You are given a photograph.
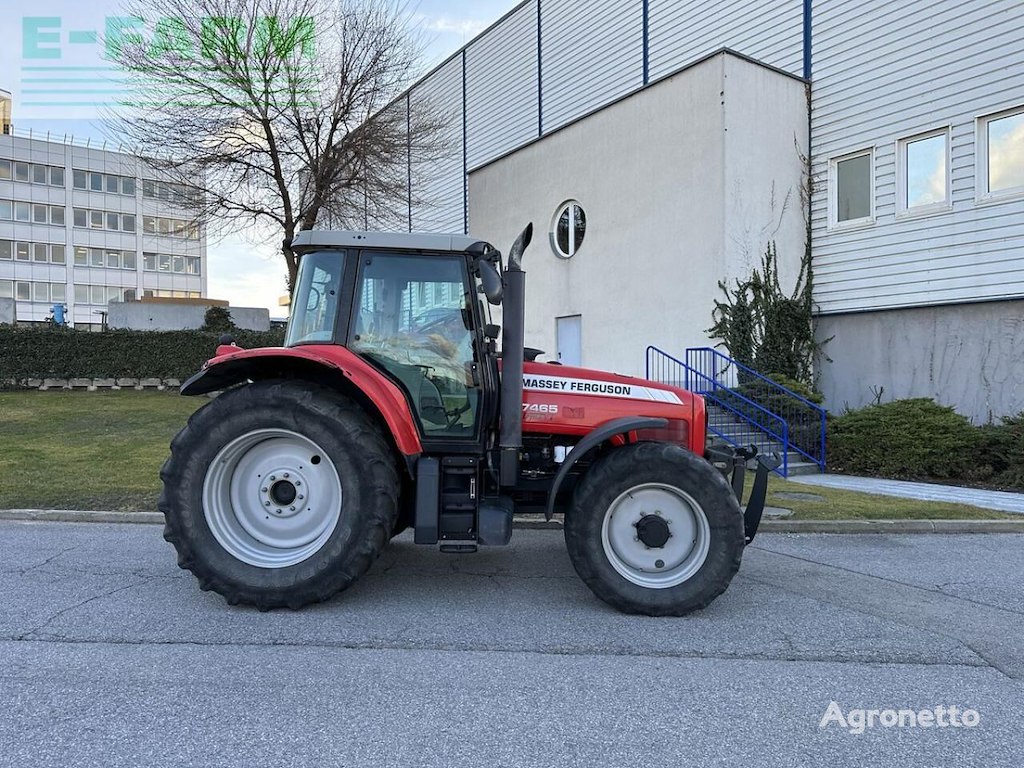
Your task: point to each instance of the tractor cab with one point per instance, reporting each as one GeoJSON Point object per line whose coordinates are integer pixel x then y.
{"type": "Point", "coordinates": [414, 310]}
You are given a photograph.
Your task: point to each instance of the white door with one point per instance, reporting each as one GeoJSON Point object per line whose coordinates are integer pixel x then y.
{"type": "Point", "coordinates": [569, 333]}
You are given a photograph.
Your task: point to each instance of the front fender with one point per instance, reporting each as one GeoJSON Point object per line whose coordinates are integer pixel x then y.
{"type": "Point", "coordinates": [592, 440]}
{"type": "Point", "coordinates": [329, 365]}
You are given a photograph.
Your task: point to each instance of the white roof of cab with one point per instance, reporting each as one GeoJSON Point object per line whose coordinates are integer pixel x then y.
{"type": "Point", "coordinates": [395, 241]}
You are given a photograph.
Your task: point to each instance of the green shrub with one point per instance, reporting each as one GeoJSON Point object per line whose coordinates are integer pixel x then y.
{"type": "Point", "coordinates": [61, 353]}
{"type": "Point", "coordinates": [904, 439]}
{"type": "Point", "coordinates": [1001, 452]}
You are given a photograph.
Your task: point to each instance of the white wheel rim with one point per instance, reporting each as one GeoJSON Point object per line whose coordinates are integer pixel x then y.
{"type": "Point", "coordinates": [679, 559]}
{"type": "Point", "coordinates": [272, 498]}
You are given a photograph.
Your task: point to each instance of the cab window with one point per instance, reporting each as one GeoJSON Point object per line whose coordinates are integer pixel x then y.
{"type": "Point", "coordinates": [412, 319]}
{"type": "Point", "coordinates": [316, 298]}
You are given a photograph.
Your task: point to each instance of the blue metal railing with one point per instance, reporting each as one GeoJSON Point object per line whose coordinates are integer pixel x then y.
{"type": "Point", "coordinates": [778, 418]}
{"type": "Point", "coordinates": [769, 432]}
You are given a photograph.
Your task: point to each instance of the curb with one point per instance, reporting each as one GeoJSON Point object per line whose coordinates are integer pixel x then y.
{"type": "Point", "coordinates": [537, 522]}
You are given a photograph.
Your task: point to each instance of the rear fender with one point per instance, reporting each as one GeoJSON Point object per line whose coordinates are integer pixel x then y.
{"type": "Point", "coordinates": [336, 367]}
{"type": "Point", "coordinates": [600, 434]}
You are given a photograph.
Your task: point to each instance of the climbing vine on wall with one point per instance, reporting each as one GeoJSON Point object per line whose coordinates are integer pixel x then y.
{"type": "Point", "coordinates": [766, 328]}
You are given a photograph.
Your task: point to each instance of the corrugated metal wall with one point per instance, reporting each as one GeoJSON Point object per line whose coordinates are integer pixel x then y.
{"type": "Point", "coordinates": [684, 30]}
{"type": "Point", "coordinates": [886, 71]}
{"type": "Point", "coordinates": [501, 87]}
{"type": "Point", "coordinates": [592, 53]}
{"type": "Point", "coordinates": [588, 53]}
{"type": "Point", "coordinates": [439, 184]}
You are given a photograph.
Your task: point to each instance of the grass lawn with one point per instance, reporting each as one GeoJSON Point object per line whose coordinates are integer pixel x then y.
{"type": "Point", "coordinates": [852, 505]}
{"type": "Point", "coordinates": [103, 450]}
{"type": "Point", "coordinates": [87, 450]}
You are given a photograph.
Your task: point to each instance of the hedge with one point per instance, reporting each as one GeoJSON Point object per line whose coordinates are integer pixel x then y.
{"type": "Point", "coordinates": [904, 439]}
{"type": "Point", "coordinates": [60, 353]}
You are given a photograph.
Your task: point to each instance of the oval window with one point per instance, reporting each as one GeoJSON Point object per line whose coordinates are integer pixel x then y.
{"type": "Point", "coordinates": [570, 227]}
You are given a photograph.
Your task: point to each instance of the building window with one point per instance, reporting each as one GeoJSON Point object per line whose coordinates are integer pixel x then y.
{"type": "Point", "coordinates": [851, 182]}
{"type": "Point", "coordinates": [923, 176]}
{"type": "Point", "coordinates": [23, 291]}
{"type": "Point", "coordinates": [6, 210]}
{"type": "Point", "coordinates": [6, 250]}
{"type": "Point", "coordinates": [40, 252]}
{"type": "Point", "coordinates": [127, 186]}
{"type": "Point", "coordinates": [570, 226]}
{"type": "Point", "coordinates": [56, 177]}
{"type": "Point", "coordinates": [21, 251]}
{"type": "Point", "coordinates": [21, 172]}
{"type": "Point", "coordinates": [58, 292]}
{"type": "Point", "coordinates": [1001, 154]}
{"type": "Point", "coordinates": [39, 174]}
{"type": "Point", "coordinates": [127, 222]}
{"type": "Point", "coordinates": [79, 179]}
{"type": "Point", "coordinates": [81, 217]}
{"type": "Point", "coordinates": [40, 214]}
{"type": "Point", "coordinates": [6, 289]}
{"type": "Point", "coordinates": [57, 215]}
{"type": "Point", "coordinates": [96, 182]}
{"type": "Point", "coordinates": [57, 254]}
{"type": "Point", "coordinates": [5, 170]}
{"type": "Point", "coordinates": [22, 211]}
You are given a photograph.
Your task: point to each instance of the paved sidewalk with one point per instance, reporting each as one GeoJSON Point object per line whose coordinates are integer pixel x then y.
{"type": "Point", "coordinates": [1002, 501]}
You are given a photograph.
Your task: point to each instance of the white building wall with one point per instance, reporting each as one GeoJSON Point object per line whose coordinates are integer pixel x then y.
{"type": "Point", "coordinates": [592, 53]}
{"type": "Point", "coordinates": [650, 174]}
{"type": "Point", "coordinates": [886, 71]}
{"type": "Point", "coordinates": [501, 86]}
{"type": "Point", "coordinates": [522, 82]}
{"type": "Point", "coordinates": [438, 184]}
{"type": "Point", "coordinates": [682, 31]}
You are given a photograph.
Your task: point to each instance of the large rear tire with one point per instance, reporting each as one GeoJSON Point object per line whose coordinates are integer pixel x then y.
{"type": "Point", "coordinates": [654, 530]}
{"type": "Point", "coordinates": [279, 494]}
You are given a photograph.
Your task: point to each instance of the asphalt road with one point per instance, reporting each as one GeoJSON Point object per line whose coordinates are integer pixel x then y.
{"type": "Point", "coordinates": [111, 656]}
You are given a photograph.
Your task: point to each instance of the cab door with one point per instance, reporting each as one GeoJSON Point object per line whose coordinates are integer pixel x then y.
{"type": "Point", "coordinates": [413, 319]}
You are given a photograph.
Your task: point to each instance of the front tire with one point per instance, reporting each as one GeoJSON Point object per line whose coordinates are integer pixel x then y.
{"type": "Point", "coordinates": [654, 530]}
{"type": "Point", "coordinates": [279, 494]}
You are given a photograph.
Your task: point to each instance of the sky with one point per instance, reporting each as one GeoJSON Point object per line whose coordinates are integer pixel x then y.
{"type": "Point", "coordinates": [62, 33]}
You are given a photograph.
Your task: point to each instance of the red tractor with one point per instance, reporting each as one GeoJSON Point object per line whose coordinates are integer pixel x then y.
{"type": "Point", "coordinates": [390, 407]}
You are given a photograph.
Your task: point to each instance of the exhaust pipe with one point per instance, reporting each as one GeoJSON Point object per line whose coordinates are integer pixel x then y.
{"type": "Point", "coordinates": [513, 321]}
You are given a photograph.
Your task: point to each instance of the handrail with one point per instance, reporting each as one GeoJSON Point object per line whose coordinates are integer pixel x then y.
{"type": "Point", "coordinates": [808, 439]}
{"type": "Point", "coordinates": [777, 432]}
{"type": "Point", "coordinates": [752, 372]}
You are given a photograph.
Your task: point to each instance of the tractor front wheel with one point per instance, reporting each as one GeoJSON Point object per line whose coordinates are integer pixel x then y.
{"type": "Point", "coordinates": [654, 530]}
{"type": "Point", "coordinates": [279, 494]}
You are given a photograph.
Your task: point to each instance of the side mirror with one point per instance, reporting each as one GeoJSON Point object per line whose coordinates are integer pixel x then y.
{"type": "Point", "coordinates": [491, 282]}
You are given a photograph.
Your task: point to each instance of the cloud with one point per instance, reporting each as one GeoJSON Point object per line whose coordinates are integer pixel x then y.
{"type": "Point", "coordinates": [1006, 155]}
{"type": "Point", "coordinates": [465, 28]}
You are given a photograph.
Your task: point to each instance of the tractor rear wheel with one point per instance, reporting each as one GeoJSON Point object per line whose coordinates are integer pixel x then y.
{"type": "Point", "coordinates": [279, 493]}
{"type": "Point", "coordinates": [655, 530]}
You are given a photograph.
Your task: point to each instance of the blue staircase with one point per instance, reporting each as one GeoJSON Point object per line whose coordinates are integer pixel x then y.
{"type": "Point", "coordinates": [746, 408]}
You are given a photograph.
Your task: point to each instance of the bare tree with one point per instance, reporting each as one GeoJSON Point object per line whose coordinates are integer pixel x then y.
{"type": "Point", "coordinates": [280, 113]}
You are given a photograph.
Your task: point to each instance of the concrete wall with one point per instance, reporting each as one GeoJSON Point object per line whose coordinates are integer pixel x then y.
{"type": "Point", "coordinates": [7, 308]}
{"type": "Point", "coordinates": [142, 316]}
{"type": "Point", "coordinates": [682, 185]}
{"type": "Point", "coordinates": [969, 356]}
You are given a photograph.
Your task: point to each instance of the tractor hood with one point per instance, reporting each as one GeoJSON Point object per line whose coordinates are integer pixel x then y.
{"type": "Point", "coordinates": [572, 401]}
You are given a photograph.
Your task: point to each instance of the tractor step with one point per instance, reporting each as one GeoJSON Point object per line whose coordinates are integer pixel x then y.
{"type": "Point", "coordinates": [458, 549]}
